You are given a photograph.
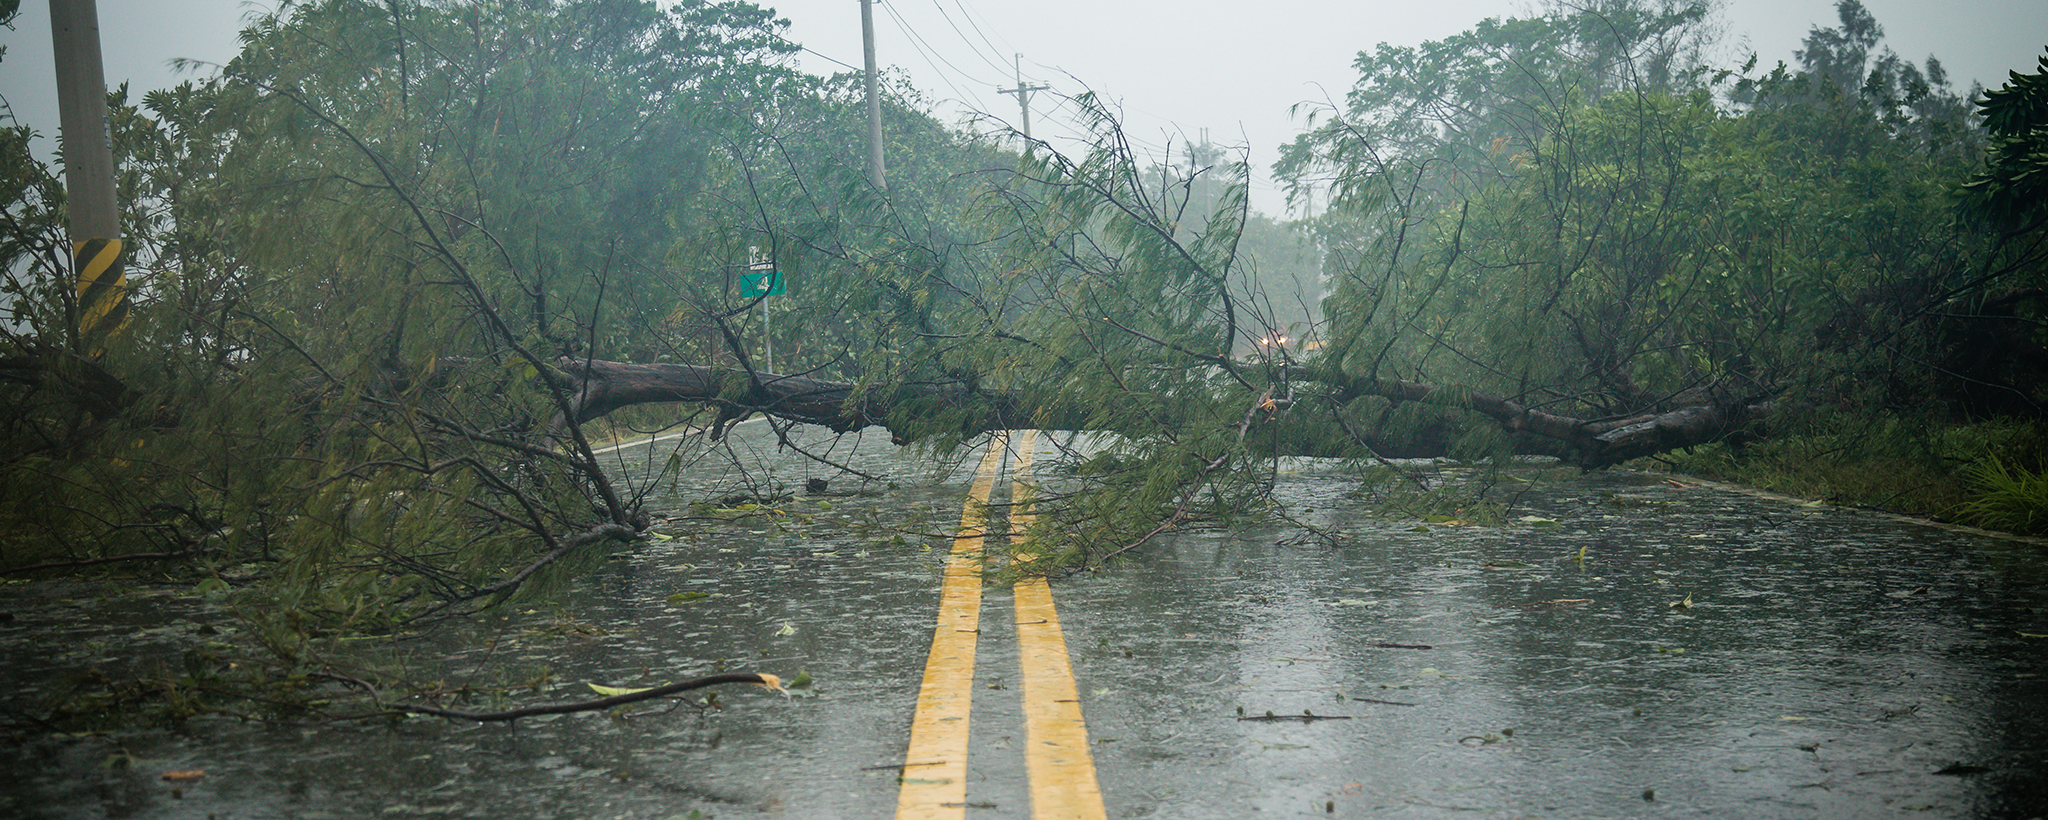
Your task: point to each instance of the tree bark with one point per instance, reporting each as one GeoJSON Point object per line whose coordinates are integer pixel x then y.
{"type": "Point", "coordinates": [1650, 434]}
{"type": "Point", "coordinates": [1590, 444]}
{"type": "Point", "coordinates": [603, 386]}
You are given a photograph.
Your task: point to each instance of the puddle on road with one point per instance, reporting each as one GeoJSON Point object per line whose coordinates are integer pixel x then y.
{"type": "Point", "coordinates": [1817, 663]}
{"type": "Point", "coordinates": [1714, 654]}
{"type": "Point", "coordinates": [851, 608]}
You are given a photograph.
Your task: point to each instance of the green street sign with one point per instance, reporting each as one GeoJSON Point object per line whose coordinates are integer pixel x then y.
{"type": "Point", "coordinates": [762, 283]}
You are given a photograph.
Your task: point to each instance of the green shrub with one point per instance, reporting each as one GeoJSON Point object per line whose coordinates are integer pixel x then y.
{"type": "Point", "coordinates": [2006, 497]}
{"type": "Point", "coordinates": [1977, 473]}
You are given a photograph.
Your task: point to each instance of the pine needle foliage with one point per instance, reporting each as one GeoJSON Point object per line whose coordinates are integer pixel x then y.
{"type": "Point", "coordinates": [1121, 316]}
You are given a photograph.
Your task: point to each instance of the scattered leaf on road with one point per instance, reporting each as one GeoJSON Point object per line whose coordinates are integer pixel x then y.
{"type": "Point", "coordinates": [614, 691]}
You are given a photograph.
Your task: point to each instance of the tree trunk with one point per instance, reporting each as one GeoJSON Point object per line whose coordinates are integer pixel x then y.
{"type": "Point", "coordinates": [603, 387]}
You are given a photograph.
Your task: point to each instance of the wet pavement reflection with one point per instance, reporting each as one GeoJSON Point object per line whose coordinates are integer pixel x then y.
{"type": "Point", "coordinates": [1713, 653]}
{"type": "Point", "coordinates": [1625, 646]}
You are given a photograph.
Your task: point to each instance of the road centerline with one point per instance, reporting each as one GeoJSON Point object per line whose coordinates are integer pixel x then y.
{"type": "Point", "coordinates": [1057, 759]}
{"type": "Point", "coordinates": [1059, 765]}
{"type": "Point", "coordinates": [938, 731]}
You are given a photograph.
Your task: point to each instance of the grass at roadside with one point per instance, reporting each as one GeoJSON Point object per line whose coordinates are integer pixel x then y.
{"type": "Point", "coordinates": [1990, 474]}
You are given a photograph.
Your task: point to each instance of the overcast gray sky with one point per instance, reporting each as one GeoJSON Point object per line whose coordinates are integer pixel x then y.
{"type": "Point", "coordinates": [1233, 68]}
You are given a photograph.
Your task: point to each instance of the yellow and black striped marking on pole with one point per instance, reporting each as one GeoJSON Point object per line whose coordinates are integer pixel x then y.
{"type": "Point", "coordinates": [102, 292]}
{"type": "Point", "coordinates": [1057, 761]}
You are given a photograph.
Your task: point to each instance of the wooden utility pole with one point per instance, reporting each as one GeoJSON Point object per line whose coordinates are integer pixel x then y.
{"type": "Point", "coordinates": [87, 139]}
{"type": "Point", "coordinates": [1023, 93]}
{"type": "Point", "coordinates": [876, 172]}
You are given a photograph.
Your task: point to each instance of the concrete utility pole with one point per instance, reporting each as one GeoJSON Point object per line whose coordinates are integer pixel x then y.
{"type": "Point", "coordinates": [876, 172]}
{"type": "Point", "coordinates": [1023, 93]}
{"type": "Point", "coordinates": [88, 143]}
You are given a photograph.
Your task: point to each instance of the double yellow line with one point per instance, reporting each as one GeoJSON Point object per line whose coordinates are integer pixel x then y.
{"type": "Point", "coordinates": [1056, 757]}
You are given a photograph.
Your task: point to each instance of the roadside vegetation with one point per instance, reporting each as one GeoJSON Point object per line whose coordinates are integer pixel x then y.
{"type": "Point", "coordinates": [1959, 473]}
{"type": "Point", "coordinates": [397, 265]}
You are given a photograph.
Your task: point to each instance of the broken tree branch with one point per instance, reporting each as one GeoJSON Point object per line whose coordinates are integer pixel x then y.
{"type": "Point", "coordinates": [758, 679]}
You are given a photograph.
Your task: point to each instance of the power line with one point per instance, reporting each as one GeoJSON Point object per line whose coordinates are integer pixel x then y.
{"type": "Point", "coordinates": [820, 55]}
{"type": "Point", "coordinates": [816, 53]}
{"type": "Point", "coordinates": [947, 71]}
{"type": "Point", "coordinates": [924, 47]}
{"type": "Point", "coordinates": [981, 31]}
{"type": "Point", "coordinates": [963, 35]}
{"type": "Point", "coordinates": [931, 57]}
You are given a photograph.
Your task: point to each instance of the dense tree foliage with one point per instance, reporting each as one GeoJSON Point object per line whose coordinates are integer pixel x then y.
{"type": "Point", "coordinates": [366, 247]}
{"type": "Point", "coordinates": [1570, 212]}
{"type": "Point", "coordinates": [396, 254]}
{"type": "Point", "coordinates": [2015, 186]}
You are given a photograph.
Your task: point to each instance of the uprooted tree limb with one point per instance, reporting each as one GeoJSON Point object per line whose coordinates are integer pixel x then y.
{"type": "Point", "coordinates": [1592, 444]}
{"type": "Point", "coordinates": [602, 387]}
{"type": "Point", "coordinates": [595, 388]}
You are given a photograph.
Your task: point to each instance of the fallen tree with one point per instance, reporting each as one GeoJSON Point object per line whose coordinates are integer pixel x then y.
{"type": "Point", "coordinates": [600, 387]}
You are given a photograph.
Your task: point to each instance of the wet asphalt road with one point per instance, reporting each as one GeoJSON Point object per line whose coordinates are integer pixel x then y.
{"type": "Point", "coordinates": [1639, 648]}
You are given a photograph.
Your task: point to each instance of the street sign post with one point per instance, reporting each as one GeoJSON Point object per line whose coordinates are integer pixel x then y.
{"type": "Point", "coordinates": [763, 280]}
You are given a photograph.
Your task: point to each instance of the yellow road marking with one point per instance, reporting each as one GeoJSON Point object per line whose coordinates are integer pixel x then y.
{"type": "Point", "coordinates": [1057, 759]}
{"type": "Point", "coordinates": [1056, 755]}
{"type": "Point", "coordinates": [935, 774]}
